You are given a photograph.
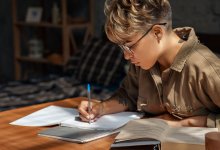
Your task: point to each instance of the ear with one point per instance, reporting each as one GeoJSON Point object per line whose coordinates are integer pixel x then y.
{"type": "Point", "coordinates": [157, 32]}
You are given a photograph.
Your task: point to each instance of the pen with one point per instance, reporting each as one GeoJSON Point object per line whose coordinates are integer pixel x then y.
{"type": "Point", "coordinates": [89, 101]}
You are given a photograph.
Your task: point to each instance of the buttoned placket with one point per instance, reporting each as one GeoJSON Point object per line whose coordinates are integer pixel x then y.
{"type": "Point", "coordinates": [173, 109]}
{"type": "Point", "coordinates": [161, 79]}
{"type": "Point", "coordinates": [158, 82]}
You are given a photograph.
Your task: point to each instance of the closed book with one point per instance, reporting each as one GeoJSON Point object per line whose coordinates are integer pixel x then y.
{"type": "Point", "coordinates": [77, 135]}
{"type": "Point", "coordinates": [139, 144]}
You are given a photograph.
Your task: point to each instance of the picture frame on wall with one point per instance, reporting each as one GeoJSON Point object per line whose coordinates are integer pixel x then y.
{"type": "Point", "coordinates": [34, 14]}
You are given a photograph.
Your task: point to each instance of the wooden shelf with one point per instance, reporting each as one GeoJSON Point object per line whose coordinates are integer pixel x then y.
{"type": "Point", "coordinates": [37, 60]}
{"type": "Point", "coordinates": [79, 25]}
{"type": "Point", "coordinates": [50, 25]}
{"type": "Point", "coordinates": [24, 31]}
{"type": "Point", "coordinates": [41, 24]}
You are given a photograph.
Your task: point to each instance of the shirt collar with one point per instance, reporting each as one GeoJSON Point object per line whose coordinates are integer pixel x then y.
{"type": "Point", "coordinates": [188, 35]}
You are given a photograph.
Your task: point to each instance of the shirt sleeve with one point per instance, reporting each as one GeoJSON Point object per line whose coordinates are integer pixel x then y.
{"type": "Point", "coordinates": [211, 86]}
{"type": "Point", "coordinates": [127, 93]}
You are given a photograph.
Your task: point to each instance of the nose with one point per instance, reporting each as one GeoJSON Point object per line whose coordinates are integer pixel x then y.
{"type": "Point", "coordinates": [127, 55]}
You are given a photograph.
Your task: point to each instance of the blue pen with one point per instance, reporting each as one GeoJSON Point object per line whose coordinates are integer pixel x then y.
{"type": "Point", "coordinates": [89, 100]}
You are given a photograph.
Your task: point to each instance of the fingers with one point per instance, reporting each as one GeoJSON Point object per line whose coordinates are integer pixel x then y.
{"type": "Point", "coordinates": [83, 107]}
{"type": "Point", "coordinates": [166, 117]}
{"type": "Point", "coordinates": [83, 111]}
{"type": "Point", "coordinates": [87, 120]}
{"type": "Point", "coordinates": [83, 118]}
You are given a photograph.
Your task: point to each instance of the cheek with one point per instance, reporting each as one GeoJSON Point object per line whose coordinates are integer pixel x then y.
{"type": "Point", "coordinates": [149, 56]}
{"type": "Point", "coordinates": [149, 59]}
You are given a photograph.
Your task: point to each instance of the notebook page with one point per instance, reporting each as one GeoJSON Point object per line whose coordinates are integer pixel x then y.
{"type": "Point", "coordinates": [191, 135]}
{"type": "Point", "coordinates": [106, 122]}
{"type": "Point", "coordinates": [50, 115]}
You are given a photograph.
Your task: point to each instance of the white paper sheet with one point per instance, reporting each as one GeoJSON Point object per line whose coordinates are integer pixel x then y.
{"type": "Point", "coordinates": [106, 122]}
{"type": "Point", "coordinates": [54, 115]}
{"type": "Point", "coordinates": [50, 115]}
{"type": "Point", "coordinates": [192, 135]}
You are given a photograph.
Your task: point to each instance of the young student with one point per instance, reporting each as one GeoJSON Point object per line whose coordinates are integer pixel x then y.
{"type": "Point", "coordinates": [172, 75]}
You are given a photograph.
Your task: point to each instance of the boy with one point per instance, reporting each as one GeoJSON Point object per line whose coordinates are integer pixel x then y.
{"type": "Point", "coordinates": [172, 76]}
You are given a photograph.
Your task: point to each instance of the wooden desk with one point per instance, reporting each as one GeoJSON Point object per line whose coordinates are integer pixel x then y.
{"type": "Point", "coordinates": [25, 138]}
{"type": "Point", "coordinates": [14, 137]}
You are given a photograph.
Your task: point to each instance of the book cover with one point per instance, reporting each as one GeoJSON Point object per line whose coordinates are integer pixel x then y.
{"type": "Point", "coordinates": [77, 135]}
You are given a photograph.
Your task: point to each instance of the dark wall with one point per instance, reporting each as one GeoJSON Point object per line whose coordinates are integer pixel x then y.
{"type": "Point", "coordinates": [203, 15]}
{"type": "Point", "coordinates": [6, 45]}
{"type": "Point", "coordinates": [99, 16]}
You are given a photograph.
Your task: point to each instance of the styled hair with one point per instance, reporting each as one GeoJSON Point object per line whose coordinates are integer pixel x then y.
{"type": "Point", "coordinates": [126, 18]}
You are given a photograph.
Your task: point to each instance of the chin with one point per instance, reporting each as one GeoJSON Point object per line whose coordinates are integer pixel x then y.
{"type": "Point", "coordinates": [146, 67]}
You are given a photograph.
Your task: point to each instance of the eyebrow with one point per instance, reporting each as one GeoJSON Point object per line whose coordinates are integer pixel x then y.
{"type": "Point", "coordinates": [128, 43]}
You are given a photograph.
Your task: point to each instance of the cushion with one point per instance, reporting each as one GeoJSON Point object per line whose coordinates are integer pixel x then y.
{"type": "Point", "coordinates": [101, 62]}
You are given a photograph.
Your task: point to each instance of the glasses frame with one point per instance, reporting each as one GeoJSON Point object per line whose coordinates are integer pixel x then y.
{"type": "Point", "coordinates": [128, 49]}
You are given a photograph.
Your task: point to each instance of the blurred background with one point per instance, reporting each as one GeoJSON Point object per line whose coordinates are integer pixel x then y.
{"type": "Point", "coordinates": [203, 15]}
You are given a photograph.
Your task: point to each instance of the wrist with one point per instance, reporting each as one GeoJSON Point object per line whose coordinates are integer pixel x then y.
{"type": "Point", "coordinates": [195, 121]}
{"type": "Point", "coordinates": [101, 109]}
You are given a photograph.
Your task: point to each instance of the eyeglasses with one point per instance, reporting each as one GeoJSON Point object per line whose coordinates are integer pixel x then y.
{"type": "Point", "coordinates": [129, 49]}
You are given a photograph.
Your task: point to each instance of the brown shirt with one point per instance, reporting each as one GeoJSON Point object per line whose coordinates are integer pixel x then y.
{"type": "Point", "coordinates": [190, 87]}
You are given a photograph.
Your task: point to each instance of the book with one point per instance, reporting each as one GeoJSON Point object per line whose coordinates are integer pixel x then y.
{"type": "Point", "coordinates": [77, 135]}
{"type": "Point", "coordinates": [69, 117]}
{"type": "Point", "coordinates": [134, 143]}
{"type": "Point", "coordinates": [151, 129]}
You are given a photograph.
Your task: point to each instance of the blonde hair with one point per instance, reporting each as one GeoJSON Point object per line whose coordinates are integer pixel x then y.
{"type": "Point", "coordinates": [126, 18]}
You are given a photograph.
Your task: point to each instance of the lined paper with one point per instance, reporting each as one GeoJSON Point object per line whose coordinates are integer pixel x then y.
{"type": "Point", "coordinates": [50, 115]}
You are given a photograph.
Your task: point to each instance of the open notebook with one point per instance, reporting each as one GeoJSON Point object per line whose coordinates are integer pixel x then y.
{"type": "Point", "coordinates": [71, 128]}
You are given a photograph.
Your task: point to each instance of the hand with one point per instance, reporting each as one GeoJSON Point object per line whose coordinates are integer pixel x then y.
{"type": "Point", "coordinates": [167, 116]}
{"type": "Point", "coordinates": [194, 121]}
{"type": "Point", "coordinates": [96, 110]}
{"type": "Point", "coordinates": [170, 120]}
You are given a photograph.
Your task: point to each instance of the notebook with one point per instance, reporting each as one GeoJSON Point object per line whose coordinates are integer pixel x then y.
{"type": "Point", "coordinates": [77, 135]}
